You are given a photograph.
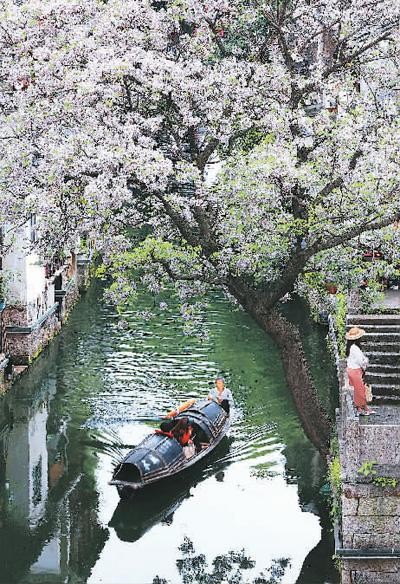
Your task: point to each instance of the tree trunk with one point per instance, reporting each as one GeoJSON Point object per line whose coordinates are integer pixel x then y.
{"type": "Point", "coordinates": [314, 419]}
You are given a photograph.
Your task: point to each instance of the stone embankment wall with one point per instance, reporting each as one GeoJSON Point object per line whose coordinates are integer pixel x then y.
{"type": "Point", "coordinates": [370, 517]}
{"type": "Point", "coordinates": [24, 345]}
{"type": "Point", "coordinates": [369, 540]}
{"type": "Point", "coordinates": [29, 322]}
{"type": "Point", "coordinates": [368, 537]}
{"type": "Point", "coordinates": [4, 363]}
{"type": "Point", "coordinates": [315, 422]}
{"type": "Point", "coordinates": [71, 298]}
{"type": "Point", "coordinates": [25, 340]}
{"type": "Point", "coordinates": [369, 546]}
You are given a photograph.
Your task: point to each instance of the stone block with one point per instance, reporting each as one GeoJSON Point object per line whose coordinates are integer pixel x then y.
{"type": "Point", "coordinates": [380, 443]}
{"type": "Point", "coordinates": [345, 577]}
{"type": "Point", "coordinates": [349, 506]}
{"type": "Point", "coordinates": [386, 541]}
{"type": "Point", "coordinates": [370, 571]}
{"type": "Point", "coordinates": [347, 539]}
{"type": "Point", "coordinates": [389, 565]}
{"type": "Point", "coordinates": [368, 491]}
{"type": "Point", "coordinates": [15, 316]}
{"type": "Point", "coordinates": [374, 578]}
{"type": "Point", "coordinates": [386, 505]}
{"type": "Point", "coordinates": [366, 524]}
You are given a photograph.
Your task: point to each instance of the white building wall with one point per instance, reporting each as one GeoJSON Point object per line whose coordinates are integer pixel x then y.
{"type": "Point", "coordinates": [14, 267]}
{"type": "Point", "coordinates": [37, 289]}
{"type": "Point", "coordinates": [25, 276]}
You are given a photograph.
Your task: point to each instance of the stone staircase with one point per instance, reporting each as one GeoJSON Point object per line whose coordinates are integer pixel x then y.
{"type": "Point", "coordinates": [382, 346]}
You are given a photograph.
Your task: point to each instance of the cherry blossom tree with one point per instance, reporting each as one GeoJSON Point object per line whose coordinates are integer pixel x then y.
{"type": "Point", "coordinates": [235, 144]}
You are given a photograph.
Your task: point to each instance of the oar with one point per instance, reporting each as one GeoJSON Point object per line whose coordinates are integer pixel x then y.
{"type": "Point", "coordinates": [171, 414]}
{"type": "Point", "coordinates": [105, 446]}
{"type": "Point", "coordinates": [149, 418]}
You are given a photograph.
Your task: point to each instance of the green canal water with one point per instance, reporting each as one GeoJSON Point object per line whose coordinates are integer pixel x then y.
{"type": "Point", "coordinates": [252, 513]}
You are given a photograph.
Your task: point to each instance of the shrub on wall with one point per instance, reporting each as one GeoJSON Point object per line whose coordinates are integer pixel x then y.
{"type": "Point", "coordinates": [340, 322]}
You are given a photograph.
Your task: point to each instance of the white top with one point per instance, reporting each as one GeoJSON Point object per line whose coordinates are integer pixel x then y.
{"type": "Point", "coordinates": [225, 394]}
{"type": "Point", "coordinates": [356, 358]}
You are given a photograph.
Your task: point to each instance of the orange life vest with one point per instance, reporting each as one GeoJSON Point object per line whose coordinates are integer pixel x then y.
{"type": "Point", "coordinates": [185, 437]}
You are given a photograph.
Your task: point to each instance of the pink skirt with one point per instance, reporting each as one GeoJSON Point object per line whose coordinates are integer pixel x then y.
{"type": "Point", "coordinates": [356, 381]}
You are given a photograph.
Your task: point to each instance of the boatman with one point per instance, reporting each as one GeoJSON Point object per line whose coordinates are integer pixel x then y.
{"type": "Point", "coordinates": [222, 395]}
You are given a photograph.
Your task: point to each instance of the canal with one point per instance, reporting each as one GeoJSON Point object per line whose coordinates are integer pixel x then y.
{"type": "Point", "coordinates": [253, 513]}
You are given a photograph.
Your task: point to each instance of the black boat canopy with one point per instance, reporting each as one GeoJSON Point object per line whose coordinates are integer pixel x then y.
{"type": "Point", "coordinates": [155, 453]}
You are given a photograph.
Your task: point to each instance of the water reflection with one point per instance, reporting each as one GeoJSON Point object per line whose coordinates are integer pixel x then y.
{"type": "Point", "coordinates": [158, 503]}
{"type": "Point", "coordinates": [230, 568]}
{"type": "Point", "coordinates": [46, 508]}
{"type": "Point", "coordinates": [97, 392]}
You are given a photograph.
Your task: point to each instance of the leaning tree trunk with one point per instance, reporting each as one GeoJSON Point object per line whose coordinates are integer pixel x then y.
{"type": "Point", "coordinates": [315, 421]}
{"type": "Point", "coordinates": [262, 307]}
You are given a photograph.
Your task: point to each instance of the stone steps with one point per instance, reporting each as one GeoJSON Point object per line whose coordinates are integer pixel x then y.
{"type": "Point", "coordinates": [378, 328]}
{"type": "Point", "coordinates": [382, 378]}
{"type": "Point", "coordinates": [380, 358]}
{"type": "Point", "coordinates": [381, 336]}
{"type": "Point", "coordinates": [381, 344]}
{"type": "Point", "coordinates": [381, 347]}
{"type": "Point", "coordinates": [383, 368]}
{"type": "Point", "coordinates": [383, 391]}
{"type": "Point", "coordinates": [373, 319]}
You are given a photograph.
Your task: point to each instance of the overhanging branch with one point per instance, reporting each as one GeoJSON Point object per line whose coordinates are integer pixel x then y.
{"type": "Point", "coordinates": [334, 241]}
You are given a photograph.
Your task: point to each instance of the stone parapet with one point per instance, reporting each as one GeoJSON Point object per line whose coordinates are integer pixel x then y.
{"type": "Point", "coordinates": [366, 439]}
{"type": "Point", "coordinates": [349, 438]}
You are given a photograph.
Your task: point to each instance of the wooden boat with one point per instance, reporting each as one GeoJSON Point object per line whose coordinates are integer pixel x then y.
{"type": "Point", "coordinates": [158, 456]}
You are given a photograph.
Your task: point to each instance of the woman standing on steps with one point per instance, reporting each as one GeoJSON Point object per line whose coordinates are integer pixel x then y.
{"type": "Point", "coordinates": [357, 363]}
